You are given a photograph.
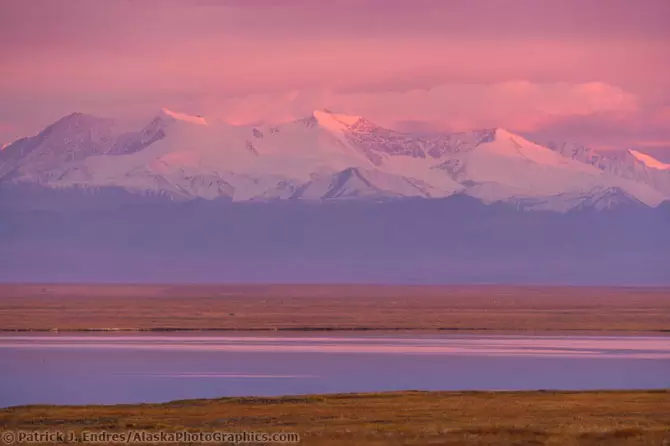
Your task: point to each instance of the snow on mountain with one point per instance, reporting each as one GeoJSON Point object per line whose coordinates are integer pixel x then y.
{"type": "Point", "coordinates": [649, 160]}
{"type": "Point", "coordinates": [70, 139]}
{"type": "Point", "coordinates": [357, 183]}
{"type": "Point", "coordinates": [325, 156]}
{"type": "Point", "coordinates": [380, 144]}
{"type": "Point", "coordinates": [627, 165]}
{"type": "Point", "coordinates": [136, 141]}
{"type": "Point", "coordinates": [335, 122]}
{"type": "Point", "coordinates": [197, 119]}
{"type": "Point", "coordinates": [599, 198]}
{"type": "Point", "coordinates": [317, 144]}
{"type": "Point", "coordinates": [510, 168]}
{"type": "Point", "coordinates": [513, 162]}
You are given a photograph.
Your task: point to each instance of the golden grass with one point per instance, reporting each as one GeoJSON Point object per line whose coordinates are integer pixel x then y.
{"type": "Point", "coordinates": [413, 418]}
{"type": "Point", "coordinates": [321, 307]}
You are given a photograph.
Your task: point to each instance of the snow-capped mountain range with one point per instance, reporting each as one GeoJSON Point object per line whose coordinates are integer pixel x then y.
{"type": "Point", "coordinates": [328, 156]}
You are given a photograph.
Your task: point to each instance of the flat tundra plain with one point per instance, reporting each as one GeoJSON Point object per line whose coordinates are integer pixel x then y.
{"type": "Point", "coordinates": [393, 418]}
{"type": "Point", "coordinates": [501, 309]}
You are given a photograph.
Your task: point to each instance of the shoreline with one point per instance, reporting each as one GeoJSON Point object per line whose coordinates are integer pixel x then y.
{"type": "Point", "coordinates": [296, 397]}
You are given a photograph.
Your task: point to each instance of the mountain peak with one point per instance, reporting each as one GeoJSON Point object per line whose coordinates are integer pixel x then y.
{"type": "Point", "coordinates": [501, 133]}
{"type": "Point", "coordinates": [77, 118]}
{"type": "Point", "coordinates": [504, 133]}
{"type": "Point", "coordinates": [649, 160]}
{"type": "Point", "coordinates": [78, 123]}
{"type": "Point", "coordinates": [74, 115]}
{"type": "Point", "coordinates": [334, 121]}
{"type": "Point", "coordinates": [193, 119]}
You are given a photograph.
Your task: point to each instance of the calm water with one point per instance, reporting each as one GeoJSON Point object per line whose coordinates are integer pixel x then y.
{"type": "Point", "coordinates": [107, 369]}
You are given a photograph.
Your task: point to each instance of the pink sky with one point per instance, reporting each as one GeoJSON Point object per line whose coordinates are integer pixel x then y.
{"type": "Point", "coordinates": [594, 71]}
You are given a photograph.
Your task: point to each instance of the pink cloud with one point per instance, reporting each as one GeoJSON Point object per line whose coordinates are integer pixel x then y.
{"type": "Point", "coordinates": [521, 105]}
{"type": "Point", "coordinates": [526, 65]}
{"type": "Point", "coordinates": [237, 47]}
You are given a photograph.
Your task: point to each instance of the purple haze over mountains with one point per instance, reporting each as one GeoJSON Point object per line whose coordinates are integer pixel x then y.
{"type": "Point", "coordinates": [115, 237]}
